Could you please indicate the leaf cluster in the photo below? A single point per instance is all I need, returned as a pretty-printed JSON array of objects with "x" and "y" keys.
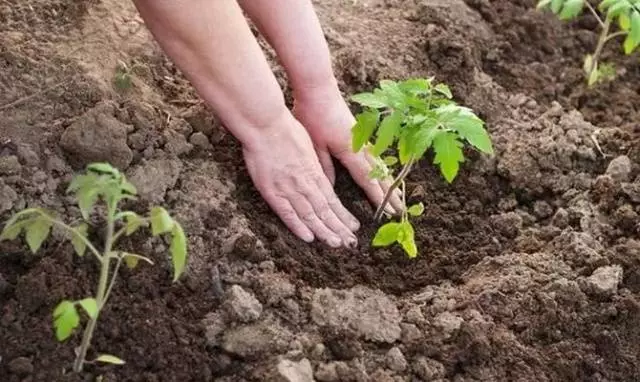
[{"x": 414, "y": 116}]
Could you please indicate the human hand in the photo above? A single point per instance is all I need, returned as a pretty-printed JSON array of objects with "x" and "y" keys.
[
  {"x": 327, "y": 118},
  {"x": 286, "y": 171}
]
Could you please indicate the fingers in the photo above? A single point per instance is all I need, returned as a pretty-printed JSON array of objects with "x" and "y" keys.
[
  {"x": 327, "y": 165},
  {"x": 283, "y": 208}
]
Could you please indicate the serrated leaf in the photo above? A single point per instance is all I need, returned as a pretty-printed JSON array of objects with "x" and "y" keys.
[
  {"x": 474, "y": 132},
  {"x": 444, "y": 90},
  {"x": 65, "y": 319},
  {"x": 404, "y": 153},
  {"x": 37, "y": 232},
  {"x": 416, "y": 209},
  {"x": 366, "y": 123},
  {"x": 87, "y": 197},
  {"x": 415, "y": 86},
  {"x": 128, "y": 188},
  {"x": 178, "y": 250},
  {"x": 133, "y": 222},
  {"x": 448, "y": 154},
  {"x": 108, "y": 358},
  {"x": 77, "y": 241},
  {"x": 104, "y": 168},
  {"x": 132, "y": 260},
  {"x": 406, "y": 238},
  {"x": 160, "y": 220},
  {"x": 390, "y": 160},
  {"x": 389, "y": 127},
  {"x": 386, "y": 235},
  {"x": 90, "y": 305},
  {"x": 372, "y": 100}
]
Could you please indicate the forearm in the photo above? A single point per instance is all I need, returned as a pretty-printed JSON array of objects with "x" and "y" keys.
[
  {"x": 293, "y": 30},
  {"x": 210, "y": 41}
]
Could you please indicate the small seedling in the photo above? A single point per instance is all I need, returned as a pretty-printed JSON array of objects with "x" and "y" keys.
[
  {"x": 626, "y": 13},
  {"x": 413, "y": 116},
  {"x": 105, "y": 183}
]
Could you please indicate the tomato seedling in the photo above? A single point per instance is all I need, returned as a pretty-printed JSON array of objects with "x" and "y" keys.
[
  {"x": 100, "y": 182},
  {"x": 624, "y": 13},
  {"x": 413, "y": 116}
]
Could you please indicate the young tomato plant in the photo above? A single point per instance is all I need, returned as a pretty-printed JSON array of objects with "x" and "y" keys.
[
  {"x": 103, "y": 183},
  {"x": 624, "y": 13},
  {"x": 412, "y": 117}
]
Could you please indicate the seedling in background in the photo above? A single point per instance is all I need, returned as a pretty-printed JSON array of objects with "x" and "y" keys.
[
  {"x": 412, "y": 117},
  {"x": 103, "y": 183},
  {"x": 624, "y": 13}
]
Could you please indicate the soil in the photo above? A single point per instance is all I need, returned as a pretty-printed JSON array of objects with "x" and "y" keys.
[{"x": 529, "y": 265}]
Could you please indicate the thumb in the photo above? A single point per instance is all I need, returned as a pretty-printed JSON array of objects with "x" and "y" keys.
[{"x": 327, "y": 165}]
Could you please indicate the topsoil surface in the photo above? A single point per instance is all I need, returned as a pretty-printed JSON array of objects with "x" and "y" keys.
[{"x": 529, "y": 265}]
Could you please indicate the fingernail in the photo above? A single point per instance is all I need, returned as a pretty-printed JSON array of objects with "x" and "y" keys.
[
  {"x": 351, "y": 242},
  {"x": 354, "y": 225},
  {"x": 308, "y": 238}
]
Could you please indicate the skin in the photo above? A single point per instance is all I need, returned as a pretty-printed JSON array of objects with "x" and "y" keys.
[{"x": 211, "y": 42}]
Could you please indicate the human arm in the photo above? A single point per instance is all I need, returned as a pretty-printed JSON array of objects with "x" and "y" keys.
[{"x": 211, "y": 42}]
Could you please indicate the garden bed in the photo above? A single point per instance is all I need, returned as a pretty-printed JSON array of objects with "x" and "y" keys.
[{"x": 529, "y": 265}]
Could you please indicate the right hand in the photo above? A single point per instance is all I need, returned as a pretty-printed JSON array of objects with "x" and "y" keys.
[{"x": 285, "y": 169}]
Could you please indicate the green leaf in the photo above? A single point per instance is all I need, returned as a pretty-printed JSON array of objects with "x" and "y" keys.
[
  {"x": 444, "y": 90},
  {"x": 406, "y": 238},
  {"x": 132, "y": 260},
  {"x": 633, "y": 38},
  {"x": 389, "y": 127},
  {"x": 128, "y": 188},
  {"x": 618, "y": 8},
  {"x": 448, "y": 154},
  {"x": 87, "y": 197},
  {"x": 108, "y": 358},
  {"x": 556, "y": 6},
  {"x": 390, "y": 160},
  {"x": 65, "y": 319},
  {"x": 571, "y": 9},
  {"x": 404, "y": 148},
  {"x": 90, "y": 306},
  {"x": 104, "y": 168},
  {"x": 473, "y": 131},
  {"x": 364, "y": 128},
  {"x": 37, "y": 232},
  {"x": 178, "y": 250},
  {"x": 133, "y": 222},
  {"x": 415, "y": 86},
  {"x": 79, "y": 245},
  {"x": 161, "y": 222},
  {"x": 386, "y": 235},
  {"x": 416, "y": 209},
  {"x": 624, "y": 21},
  {"x": 372, "y": 100}
]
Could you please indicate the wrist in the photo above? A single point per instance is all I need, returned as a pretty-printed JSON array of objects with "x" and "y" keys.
[
  {"x": 267, "y": 131},
  {"x": 319, "y": 90}
]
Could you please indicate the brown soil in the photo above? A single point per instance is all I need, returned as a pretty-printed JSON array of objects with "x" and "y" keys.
[{"x": 530, "y": 262}]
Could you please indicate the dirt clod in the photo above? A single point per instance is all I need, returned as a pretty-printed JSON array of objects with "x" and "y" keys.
[
  {"x": 241, "y": 305},
  {"x": 9, "y": 165},
  {"x": 605, "y": 280},
  {"x": 395, "y": 360},
  {"x": 258, "y": 339},
  {"x": 619, "y": 168},
  {"x": 291, "y": 371},
  {"x": 155, "y": 177},
  {"x": 21, "y": 366},
  {"x": 368, "y": 313}
]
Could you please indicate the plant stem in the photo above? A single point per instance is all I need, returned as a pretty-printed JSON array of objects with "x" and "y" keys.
[
  {"x": 397, "y": 182},
  {"x": 105, "y": 264},
  {"x": 601, "y": 42},
  {"x": 616, "y": 34},
  {"x": 113, "y": 281},
  {"x": 404, "y": 200},
  {"x": 597, "y": 16},
  {"x": 73, "y": 231}
]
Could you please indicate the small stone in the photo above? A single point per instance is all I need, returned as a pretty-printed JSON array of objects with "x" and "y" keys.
[
  {"x": 317, "y": 352},
  {"x": 10, "y": 165},
  {"x": 395, "y": 360},
  {"x": 604, "y": 281},
  {"x": 291, "y": 371},
  {"x": 214, "y": 326},
  {"x": 542, "y": 209},
  {"x": 200, "y": 141},
  {"x": 428, "y": 369},
  {"x": 8, "y": 197},
  {"x": 619, "y": 169},
  {"x": 21, "y": 366},
  {"x": 326, "y": 372},
  {"x": 242, "y": 305}
]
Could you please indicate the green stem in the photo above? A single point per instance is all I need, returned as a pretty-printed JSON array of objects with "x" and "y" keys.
[
  {"x": 73, "y": 231},
  {"x": 397, "y": 182},
  {"x": 112, "y": 282},
  {"x": 595, "y": 14},
  {"x": 616, "y": 34},
  {"x": 105, "y": 264},
  {"x": 404, "y": 201},
  {"x": 601, "y": 42}
]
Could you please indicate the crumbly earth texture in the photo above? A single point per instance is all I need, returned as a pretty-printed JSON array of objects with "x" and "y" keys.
[{"x": 529, "y": 267}]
